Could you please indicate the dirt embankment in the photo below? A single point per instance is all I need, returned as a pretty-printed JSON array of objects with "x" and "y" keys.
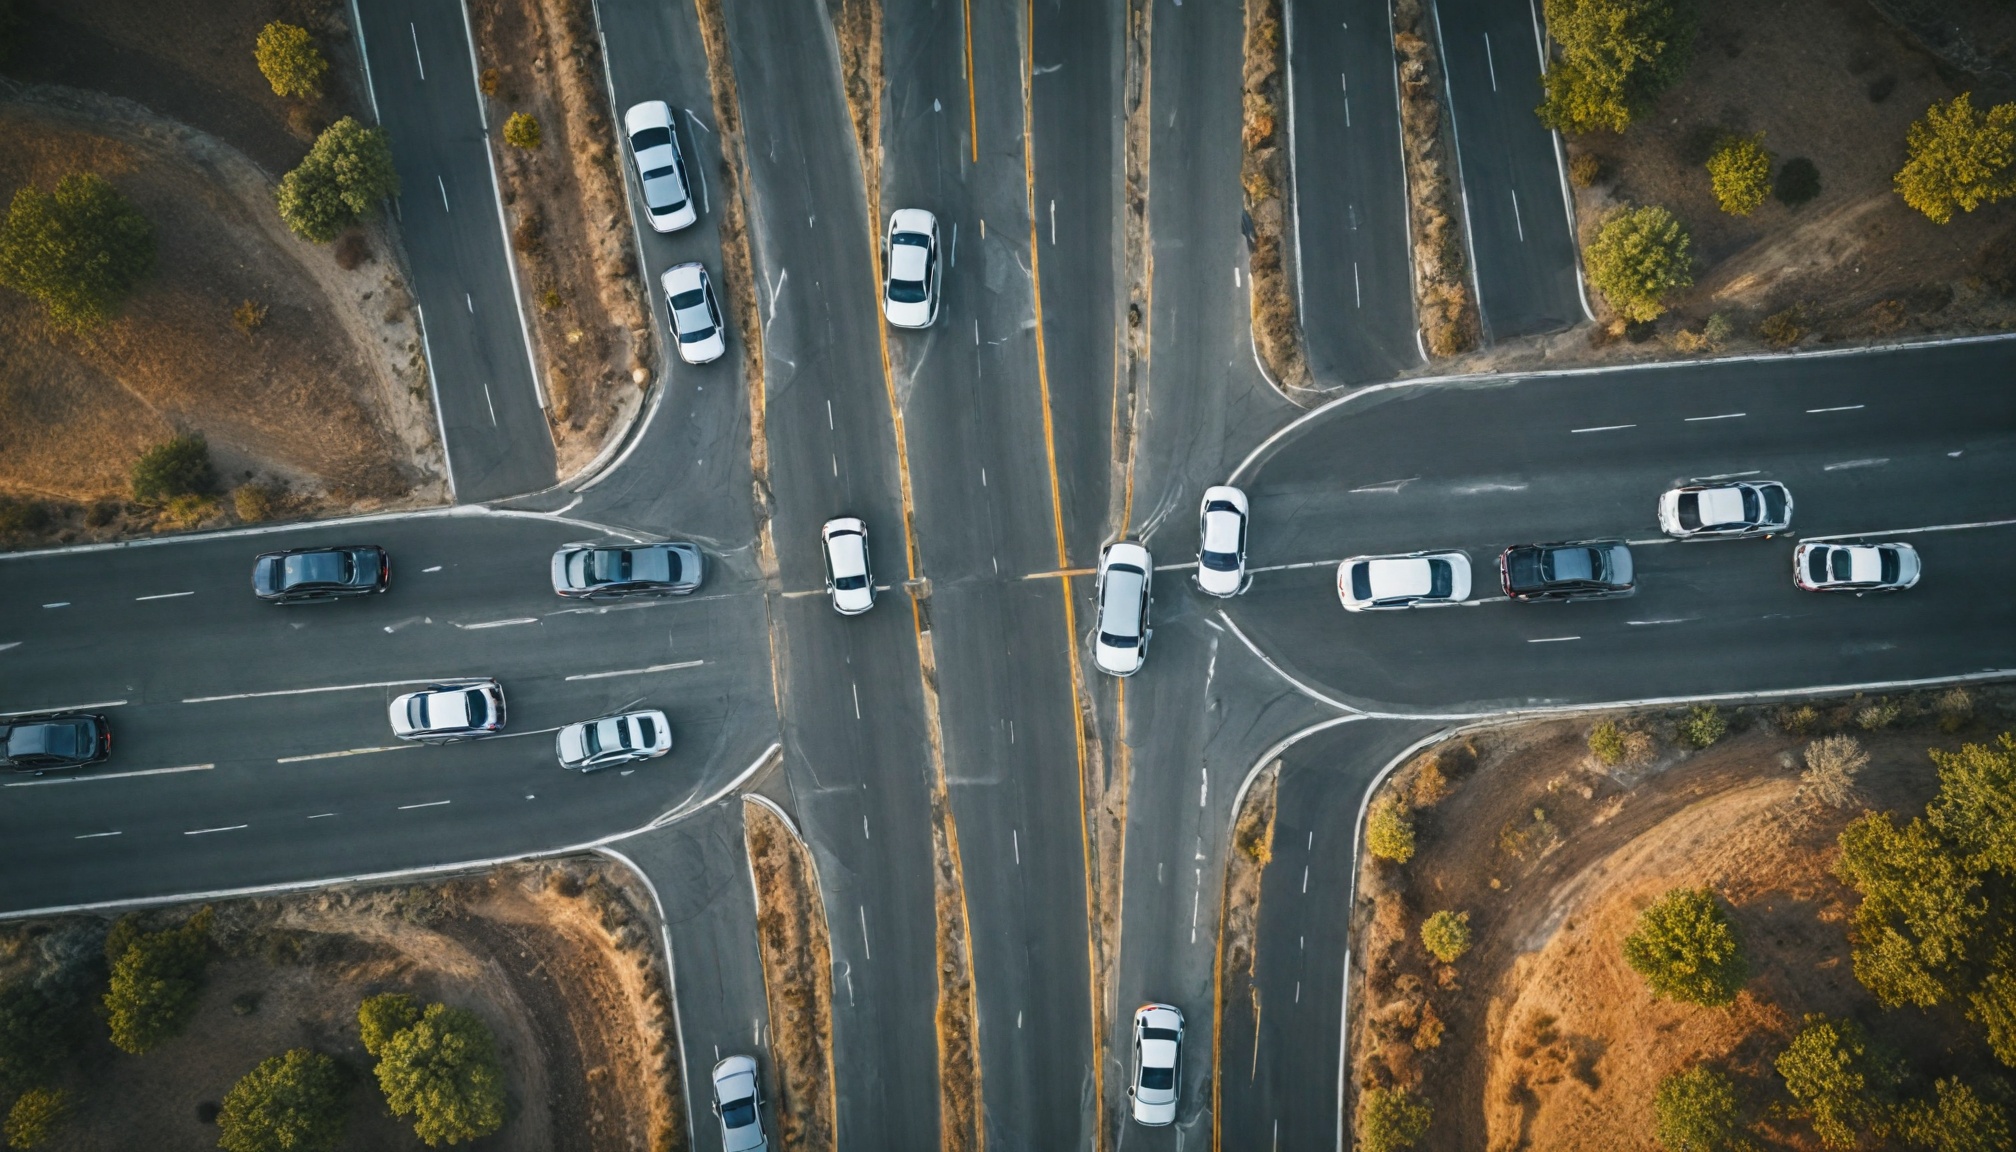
[
  {"x": 1541, "y": 1036},
  {"x": 797, "y": 979},
  {"x": 1448, "y": 312},
  {"x": 1239, "y": 905},
  {"x": 1277, "y": 330},
  {"x": 857, "y": 27},
  {"x": 570, "y": 225},
  {"x": 557, "y": 958}
]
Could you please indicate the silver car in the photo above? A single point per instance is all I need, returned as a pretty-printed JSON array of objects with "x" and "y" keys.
[
  {"x": 1158, "y": 1064},
  {"x": 911, "y": 269},
  {"x": 695, "y": 313},
  {"x": 1126, "y": 593},
  {"x": 607, "y": 741},
  {"x": 738, "y": 1101},
  {"x": 611, "y": 571},
  {"x": 449, "y": 711},
  {"x": 1416, "y": 580},
  {"x": 1726, "y": 511},
  {"x": 661, "y": 170},
  {"x": 1856, "y": 568}
]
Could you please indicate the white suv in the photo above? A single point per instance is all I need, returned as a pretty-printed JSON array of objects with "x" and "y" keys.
[{"x": 1126, "y": 581}]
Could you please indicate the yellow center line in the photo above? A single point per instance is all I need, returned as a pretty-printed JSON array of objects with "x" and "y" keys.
[{"x": 972, "y": 109}]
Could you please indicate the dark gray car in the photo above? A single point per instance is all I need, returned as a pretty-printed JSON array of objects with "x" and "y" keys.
[
  {"x": 1572, "y": 570},
  {"x": 612, "y": 571},
  {"x": 309, "y": 575},
  {"x": 57, "y": 740}
]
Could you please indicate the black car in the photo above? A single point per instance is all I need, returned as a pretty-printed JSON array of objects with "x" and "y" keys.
[
  {"x": 302, "y": 575},
  {"x": 57, "y": 740},
  {"x": 1576, "y": 570},
  {"x": 609, "y": 571}
]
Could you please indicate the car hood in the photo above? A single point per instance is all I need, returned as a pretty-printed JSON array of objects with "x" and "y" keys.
[{"x": 572, "y": 743}]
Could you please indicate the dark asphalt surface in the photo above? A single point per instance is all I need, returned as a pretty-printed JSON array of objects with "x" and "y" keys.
[
  {"x": 1356, "y": 284},
  {"x": 1513, "y": 193},
  {"x": 424, "y": 85}
]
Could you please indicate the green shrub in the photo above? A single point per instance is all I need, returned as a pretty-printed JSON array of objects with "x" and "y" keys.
[
  {"x": 35, "y": 1116},
  {"x": 1956, "y": 1119},
  {"x": 522, "y": 131},
  {"x": 1687, "y": 950},
  {"x": 1955, "y": 707},
  {"x": 1639, "y": 257},
  {"x": 255, "y": 502},
  {"x": 1921, "y": 909},
  {"x": 155, "y": 979},
  {"x": 1614, "y": 58},
  {"x": 1698, "y": 1111},
  {"x": 1585, "y": 170},
  {"x": 37, "y": 1032},
  {"x": 1840, "y": 1082},
  {"x": 289, "y": 1103},
  {"x": 178, "y": 467},
  {"x": 1798, "y": 181},
  {"x": 1785, "y": 328},
  {"x": 78, "y": 252},
  {"x": 1718, "y": 329},
  {"x": 1739, "y": 172},
  {"x": 1799, "y": 721},
  {"x": 290, "y": 61},
  {"x": 1389, "y": 832},
  {"x": 1704, "y": 725},
  {"x": 443, "y": 1071},
  {"x": 1878, "y": 715},
  {"x": 1390, "y": 1119},
  {"x": 384, "y": 1016},
  {"x": 1959, "y": 158},
  {"x": 1446, "y": 935},
  {"x": 1612, "y": 744},
  {"x": 341, "y": 181}
]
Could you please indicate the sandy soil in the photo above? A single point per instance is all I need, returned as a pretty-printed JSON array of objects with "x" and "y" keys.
[
  {"x": 571, "y": 228},
  {"x": 556, "y": 958},
  {"x": 1551, "y": 1041}
]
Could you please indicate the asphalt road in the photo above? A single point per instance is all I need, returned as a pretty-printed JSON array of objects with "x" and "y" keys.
[
  {"x": 423, "y": 83},
  {"x": 1514, "y": 197},
  {"x": 1354, "y": 279}
]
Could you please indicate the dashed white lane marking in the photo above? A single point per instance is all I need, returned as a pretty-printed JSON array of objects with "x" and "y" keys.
[
  {"x": 428, "y": 804},
  {"x": 444, "y": 193},
  {"x": 207, "y": 831},
  {"x": 299, "y": 691},
  {"x": 96, "y": 835},
  {"x": 10, "y": 644},
  {"x": 1671, "y": 620},
  {"x": 1014, "y": 835},
  {"x": 516, "y": 620},
  {"x": 321, "y": 815},
  {"x": 64, "y": 708},
  {"x": 1722, "y": 416},
  {"x": 435, "y": 568},
  {"x": 1387, "y": 486},
  {"x": 1843, "y": 466},
  {"x": 163, "y": 596},
  {"x": 1603, "y": 428},
  {"x": 344, "y": 752},
  {"x": 419, "y": 63},
  {"x": 637, "y": 671},
  {"x": 857, "y": 701},
  {"x": 1552, "y": 639},
  {"x": 1490, "y": 63},
  {"x": 1840, "y": 408},
  {"x": 111, "y": 776},
  {"x": 57, "y": 604},
  {"x": 867, "y": 952}
]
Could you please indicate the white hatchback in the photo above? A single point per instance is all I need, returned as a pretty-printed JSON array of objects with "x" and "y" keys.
[
  {"x": 450, "y": 710},
  {"x": 1726, "y": 511},
  {"x": 1158, "y": 1064},
  {"x": 911, "y": 269},
  {"x": 1855, "y": 567},
  {"x": 1221, "y": 542},
  {"x": 696, "y": 314},
  {"x": 1416, "y": 580},
  {"x": 850, "y": 578},
  {"x": 661, "y": 170},
  {"x": 607, "y": 741},
  {"x": 1126, "y": 592}
]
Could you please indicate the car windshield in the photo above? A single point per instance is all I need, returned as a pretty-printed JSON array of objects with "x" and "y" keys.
[
  {"x": 1361, "y": 581},
  {"x": 1751, "y": 508},
  {"x": 305, "y": 568},
  {"x": 739, "y": 1113},
  {"x": 1891, "y": 564},
  {"x": 416, "y": 711},
  {"x": 1563, "y": 565},
  {"x": 1120, "y": 615},
  {"x": 647, "y": 731},
  {"x": 1522, "y": 565},
  {"x": 1774, "y": 503},
  {"x": 1689, "y": 509},
  {"x": 650, "y": 138},
  {"x": 478, "y": 712},
  {"x": 1441, "y": 579}
]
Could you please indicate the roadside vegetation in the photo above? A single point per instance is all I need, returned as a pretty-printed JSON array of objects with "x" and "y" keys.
[
  {"x": 797, "y": 978},
  {"x": 1442, "y": 296},
  {"x": 1263, "y": 174},
  {"x": 1816, "y": 172},
  {"x": 1791, "y": 935}
]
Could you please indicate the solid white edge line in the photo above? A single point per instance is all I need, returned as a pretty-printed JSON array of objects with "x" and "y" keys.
[
  {"x": 1304, "y": 689},
  {"x": 1462, "y": 188},
  {"x": 64, "y": 708},
  {"x": 1909, "y": 531},
  {"x": 311, "y": 691},
  {"x": 1513, "y": 378},
  {"x": 364, "y": 54},
  {"x": 434, "y": 390},
  {"x": 110, "y": 776}
]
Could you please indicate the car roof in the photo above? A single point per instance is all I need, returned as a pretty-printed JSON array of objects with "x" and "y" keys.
[
  {"x": 1392, "y": 576},
  {"x": 849, "y": 552},
  {"x": 1221, "y": 531},
  {"x": 906, "y": 262},
  {"x": 1721, "y": 505}
]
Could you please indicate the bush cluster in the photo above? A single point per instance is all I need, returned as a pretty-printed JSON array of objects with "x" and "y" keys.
[
  {"x": 178, "y": 467},
  {"x": 1614, "y": 58},
  {"x": 521, "y": 131},
  {"x": 1446, "y": 935},
  {"x": 1390, "y": 1119},
  {"x": 341, "y": 181},
  {"x": 437, "y": 1065},
  {"x": 1704, "y": 725},
  {"x": 1739, "y": 173},
  {"x": 294, "y": 1102},
  {"x": 155, "y": 979},
  {"x": 289, "y": 60},
  {"x": 1687, "y": 950},
  {"x": 1389, "y": 831},
  {"x": 1959, "y": 158},
  {"x": 1640, "y": 257},
  {"x": 78, "y": 251},
  {"x": 1699, "y": 1111}
]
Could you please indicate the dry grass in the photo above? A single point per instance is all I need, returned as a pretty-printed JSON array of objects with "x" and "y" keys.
[
  {"x": 1277, "y": 330},
  {"x": 1441, "y": 277},
  {"x": 571, "y": 226},
  {"x": 857, "y": 26},
  {"x": 797, "y": 979}
]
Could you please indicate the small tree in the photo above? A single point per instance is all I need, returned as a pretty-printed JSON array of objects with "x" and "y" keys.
[
  {"x": 1446, "y": 935},
  {"x": 1920, "y": 910},
  {"x": 35, "y": 1035},
  {"x": 1639, "y": 257},
  {"x": 1959, "y": 158},
  {"x": 1698, "y": 1111},
  {"x": 1687, "y": 950},
  {"x": 1841, "y": 1083},
  {"x": 289, "y": 1103},
  {"x": 1955, "y": 1119},
  {"x": 521, "y": 131},
  {"x": 290, "y": 61},
  {"x": 1615, "y": 57},
  {"x": 77, "y": 252},
  {"x": 1739, "y": 172},
  {"x": 1389, "y": 831},
  {"x": 155, "y": 979},
  {"x": 384, "y": 1016},
  {"x": 178, "y": 467},
  {"x": 443, "y": 1071},
  {"x": 1392, "y": 1118},
  {"x": 340, "y": 181},
  {"x": 1704, "y": 725},
  {"x": 35, "y": 1116},
  {"x": 1976, "y": 805}
]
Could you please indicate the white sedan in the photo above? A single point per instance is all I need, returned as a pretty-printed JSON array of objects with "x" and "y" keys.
[
  {"x": 738, "y": 1102},
  {"x": 1221, "y": 542},
  {"x": 607, "y": 741},
  {"x": 1418, "y": 579},
  {"x": 654, "y": 148},
  {"x": 696, "y": 314},
  {"x": 451, "y": 710},
  {"x": 1855, "y": 567},
  {"x": 850, "y": 579},
  {"x": 911, "y": 267},
  {"x": 1125, "y": 594},
  {"x": 1749, "y": 508},
  {"x": 1158, "y": 1063}
]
